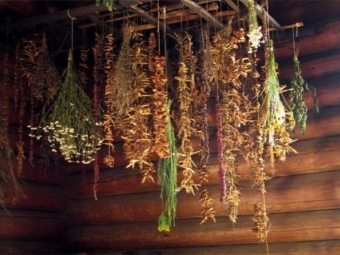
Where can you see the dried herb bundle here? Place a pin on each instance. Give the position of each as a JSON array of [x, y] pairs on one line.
[[123, 77], [186, 122], [110, 114], [261, 222], [83, 66], [232, 112], [167, 178], [298, 105], [69, 122], [98, 74], [160, 97], [273, 115], [254, 32], [137, 125]]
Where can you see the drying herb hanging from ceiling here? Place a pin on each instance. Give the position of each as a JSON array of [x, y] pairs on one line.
[[233, 111], [167, 178], [123, 78], [186, 123], [160, 97], [202, 97], [136, 126], [98, 74], [273, 115], [69, 122], [298, 105], [109, 116], [254, 32]]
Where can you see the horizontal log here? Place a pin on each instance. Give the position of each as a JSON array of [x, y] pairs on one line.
[[291, 248], [326, 37], [287, 227], [317, 155], [284, 194], [42, 197], [316, 67], [30, 247], [31, 225]]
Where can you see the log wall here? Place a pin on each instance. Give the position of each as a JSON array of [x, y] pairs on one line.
[[302, 198], [58, 212]]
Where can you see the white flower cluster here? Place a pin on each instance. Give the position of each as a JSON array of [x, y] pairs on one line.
[[255, 35], [75, 147]]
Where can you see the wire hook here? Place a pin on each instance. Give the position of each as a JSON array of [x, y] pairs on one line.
[[68, 13]]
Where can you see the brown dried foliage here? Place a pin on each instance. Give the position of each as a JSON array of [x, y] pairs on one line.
[[186, 125], [109, 116], [160, 98], [137, 124]]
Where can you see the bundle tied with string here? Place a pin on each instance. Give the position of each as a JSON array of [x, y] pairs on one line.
[[69, 123], [297, 101]]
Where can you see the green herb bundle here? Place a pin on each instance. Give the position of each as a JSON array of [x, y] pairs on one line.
[[297, 101], [69, 122], [167, 178]]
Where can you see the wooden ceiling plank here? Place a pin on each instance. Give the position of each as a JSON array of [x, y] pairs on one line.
[[144, 15], [203, 14]]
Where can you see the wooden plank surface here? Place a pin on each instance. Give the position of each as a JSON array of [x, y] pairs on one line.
[[288, 227], [285, 194]]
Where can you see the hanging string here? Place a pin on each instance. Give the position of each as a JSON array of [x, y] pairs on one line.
[[72, 19], [158, 30], [164, 43]]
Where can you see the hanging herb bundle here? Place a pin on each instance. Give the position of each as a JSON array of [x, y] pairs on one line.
[[203, 94], [167, 178], [98, 74], [42, 79], [232, 112], [160, 97], [69, 122], [83, 66], [298, 105], [273, 115], [186, 123], [254, 32], [109, 116], [137, 124], [123, 77]]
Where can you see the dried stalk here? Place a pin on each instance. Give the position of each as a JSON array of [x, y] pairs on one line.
[[160, 98], [186, 123], [137, 125], [123, 77], [109, 116]]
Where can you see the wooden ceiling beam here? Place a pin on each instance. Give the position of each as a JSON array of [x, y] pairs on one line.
[[203, 13], [131, 4]]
